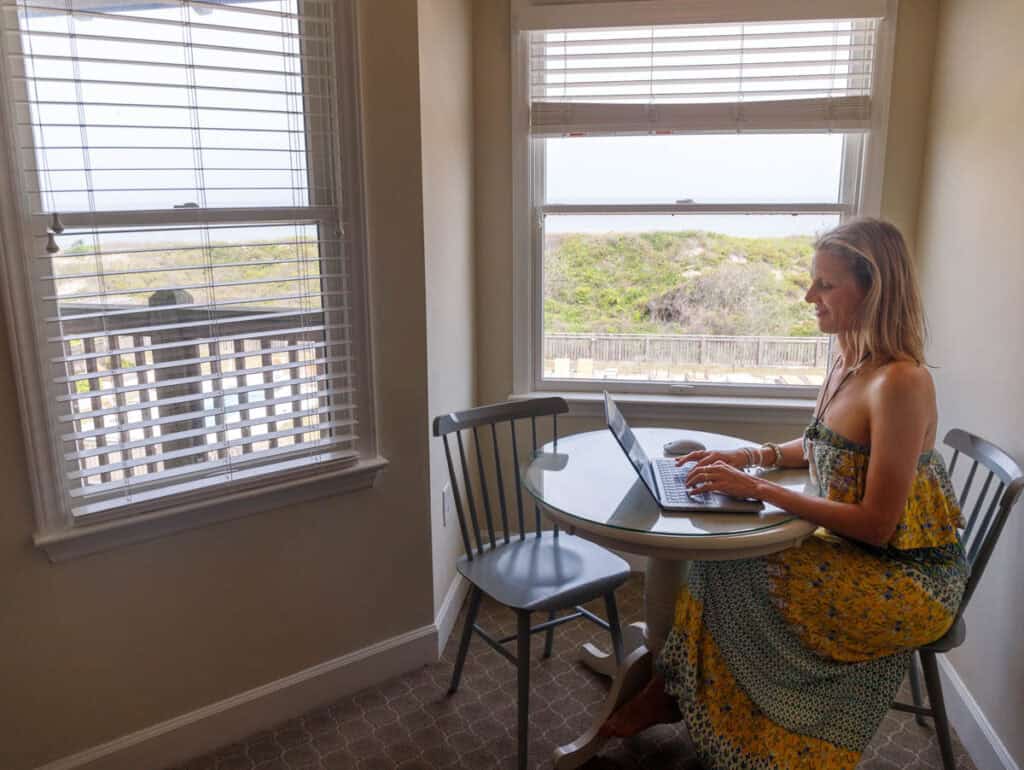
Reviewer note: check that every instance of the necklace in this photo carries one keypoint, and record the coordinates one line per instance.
(827, 402)
(827, 398)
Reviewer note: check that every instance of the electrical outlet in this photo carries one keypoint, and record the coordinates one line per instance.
(447, 503)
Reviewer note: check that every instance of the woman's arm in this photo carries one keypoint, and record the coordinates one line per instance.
(792, 456)
(899, 416)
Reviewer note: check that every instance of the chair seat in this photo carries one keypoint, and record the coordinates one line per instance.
(546, 572)
(952, 639)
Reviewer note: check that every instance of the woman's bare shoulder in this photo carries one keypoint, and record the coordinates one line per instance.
(902, 380)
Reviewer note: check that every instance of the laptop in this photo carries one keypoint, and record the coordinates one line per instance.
(665, 481)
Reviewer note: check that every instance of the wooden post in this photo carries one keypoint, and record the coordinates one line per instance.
(183, 352)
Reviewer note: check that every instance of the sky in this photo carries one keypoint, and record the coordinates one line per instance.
(705, 168)
(244, 167)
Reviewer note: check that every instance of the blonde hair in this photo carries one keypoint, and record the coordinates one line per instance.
(892, 323)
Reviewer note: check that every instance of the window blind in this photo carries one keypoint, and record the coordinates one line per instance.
(192, 286)
(763, 76)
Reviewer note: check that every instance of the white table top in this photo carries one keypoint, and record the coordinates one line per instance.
(587, 485)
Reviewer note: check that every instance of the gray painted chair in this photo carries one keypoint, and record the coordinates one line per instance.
(979, 538)
(540, 571)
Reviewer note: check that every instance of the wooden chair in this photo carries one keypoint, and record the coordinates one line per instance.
(979, 538)
(540, 571)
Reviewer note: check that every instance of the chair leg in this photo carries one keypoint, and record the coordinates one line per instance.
(938, 705)
(612, 610)
(549, 636)
(475, 594)
(523, 666)
(915, 689)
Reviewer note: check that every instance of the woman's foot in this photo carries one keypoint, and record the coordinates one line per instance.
(651, 706)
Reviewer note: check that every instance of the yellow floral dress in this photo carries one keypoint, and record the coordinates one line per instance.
(791, 661)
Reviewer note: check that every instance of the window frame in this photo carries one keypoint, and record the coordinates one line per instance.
(860, 187)
(57, 531)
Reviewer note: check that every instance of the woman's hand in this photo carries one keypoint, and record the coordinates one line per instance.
(722, 477)
(737, 458)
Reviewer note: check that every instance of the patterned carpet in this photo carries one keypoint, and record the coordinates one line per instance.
(409, 722)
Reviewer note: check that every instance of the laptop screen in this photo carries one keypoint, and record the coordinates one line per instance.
(636, 454)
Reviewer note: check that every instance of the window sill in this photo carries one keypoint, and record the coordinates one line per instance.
(88, 539)
(737, 409)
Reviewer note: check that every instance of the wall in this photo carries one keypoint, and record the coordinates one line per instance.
(908, 113)
(446, 98)
(492, 173)
(97, 647)
(493, 169)
(971, 234)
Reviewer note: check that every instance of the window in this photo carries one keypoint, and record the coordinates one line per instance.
(671, 179)
(190, 249)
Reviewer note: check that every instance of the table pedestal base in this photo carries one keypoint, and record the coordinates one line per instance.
(634, 674)
(641, 643)
(600, 662)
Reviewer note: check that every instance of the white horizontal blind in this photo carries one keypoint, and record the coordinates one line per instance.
(764, 76)
(191, 281)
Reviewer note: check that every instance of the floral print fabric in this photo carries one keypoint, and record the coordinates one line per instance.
(792, 660)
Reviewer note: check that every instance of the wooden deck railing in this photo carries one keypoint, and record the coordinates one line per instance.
(243, 372)
(690, 349)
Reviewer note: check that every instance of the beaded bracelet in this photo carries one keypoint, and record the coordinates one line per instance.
(749, 452)
(777, 452)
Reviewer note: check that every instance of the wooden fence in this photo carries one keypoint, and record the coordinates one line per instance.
(690, 349)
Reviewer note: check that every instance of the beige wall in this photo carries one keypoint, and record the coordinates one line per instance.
(97, 647)
(971, 233)
(908, 113)
(492, 144)
(446, 97)
(903, 160)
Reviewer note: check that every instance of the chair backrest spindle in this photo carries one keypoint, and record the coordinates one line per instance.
(974, 520)
(483, 487)
(454, 481)
(469, 494)
(519, 483)
(536, 507)
(500, 480)
(554, 445)
(967, 485)
(978, 525)
(981, 495)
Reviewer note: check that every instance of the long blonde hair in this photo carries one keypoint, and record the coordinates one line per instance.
(892, 322)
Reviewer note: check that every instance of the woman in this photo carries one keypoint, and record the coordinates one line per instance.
(792, 660)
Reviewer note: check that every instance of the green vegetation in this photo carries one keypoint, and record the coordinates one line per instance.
(677, 283)
(267, 274)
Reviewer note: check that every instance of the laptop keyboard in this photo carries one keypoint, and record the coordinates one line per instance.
(672, 481)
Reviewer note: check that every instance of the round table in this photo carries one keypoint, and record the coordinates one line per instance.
(585, 483)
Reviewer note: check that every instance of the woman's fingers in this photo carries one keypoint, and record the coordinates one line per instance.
(691, 456)
(702, 457)
(699, 474)
(721, 477)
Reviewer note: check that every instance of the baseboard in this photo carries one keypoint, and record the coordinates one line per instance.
(971, 724)
(449, 610)
(218, 724)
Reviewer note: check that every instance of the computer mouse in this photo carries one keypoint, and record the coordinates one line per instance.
(683, 446)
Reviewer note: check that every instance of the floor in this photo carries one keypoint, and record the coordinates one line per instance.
(410, 723)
